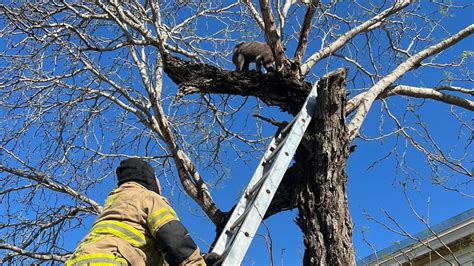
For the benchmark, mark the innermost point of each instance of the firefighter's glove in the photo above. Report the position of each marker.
(212, 259)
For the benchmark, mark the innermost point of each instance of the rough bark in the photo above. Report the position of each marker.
(321, 166)
(274, 89)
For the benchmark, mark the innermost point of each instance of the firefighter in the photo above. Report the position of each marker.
(137, 226)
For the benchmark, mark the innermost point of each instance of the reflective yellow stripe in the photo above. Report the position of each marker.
(160, 217)
(90, 239)
(96, 260)
(121, 230)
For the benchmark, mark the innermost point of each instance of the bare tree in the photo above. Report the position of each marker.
(86, 83)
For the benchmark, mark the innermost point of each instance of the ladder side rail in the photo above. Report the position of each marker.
(249, 226)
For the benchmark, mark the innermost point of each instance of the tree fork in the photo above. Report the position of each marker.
(321, 165)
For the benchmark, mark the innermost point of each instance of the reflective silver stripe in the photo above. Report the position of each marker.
(136, 240)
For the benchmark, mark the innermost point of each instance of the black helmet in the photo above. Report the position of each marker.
(137, 170)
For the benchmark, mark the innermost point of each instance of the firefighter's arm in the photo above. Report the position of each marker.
(171, 236)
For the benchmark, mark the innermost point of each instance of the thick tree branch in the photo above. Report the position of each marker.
(430, 94)
(272, 37)
(404, 67)
(305, 30)
(456, 89)
(274, 89)
(417, 92)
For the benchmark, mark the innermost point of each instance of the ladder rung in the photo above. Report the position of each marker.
(257, 185)
(285, 129)
(240, 219)
(272, 148)
(278, 141)
(276, 150)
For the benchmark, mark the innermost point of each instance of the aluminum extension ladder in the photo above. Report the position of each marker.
(242, 225)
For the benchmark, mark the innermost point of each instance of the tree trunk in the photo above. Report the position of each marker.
(321, 163)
